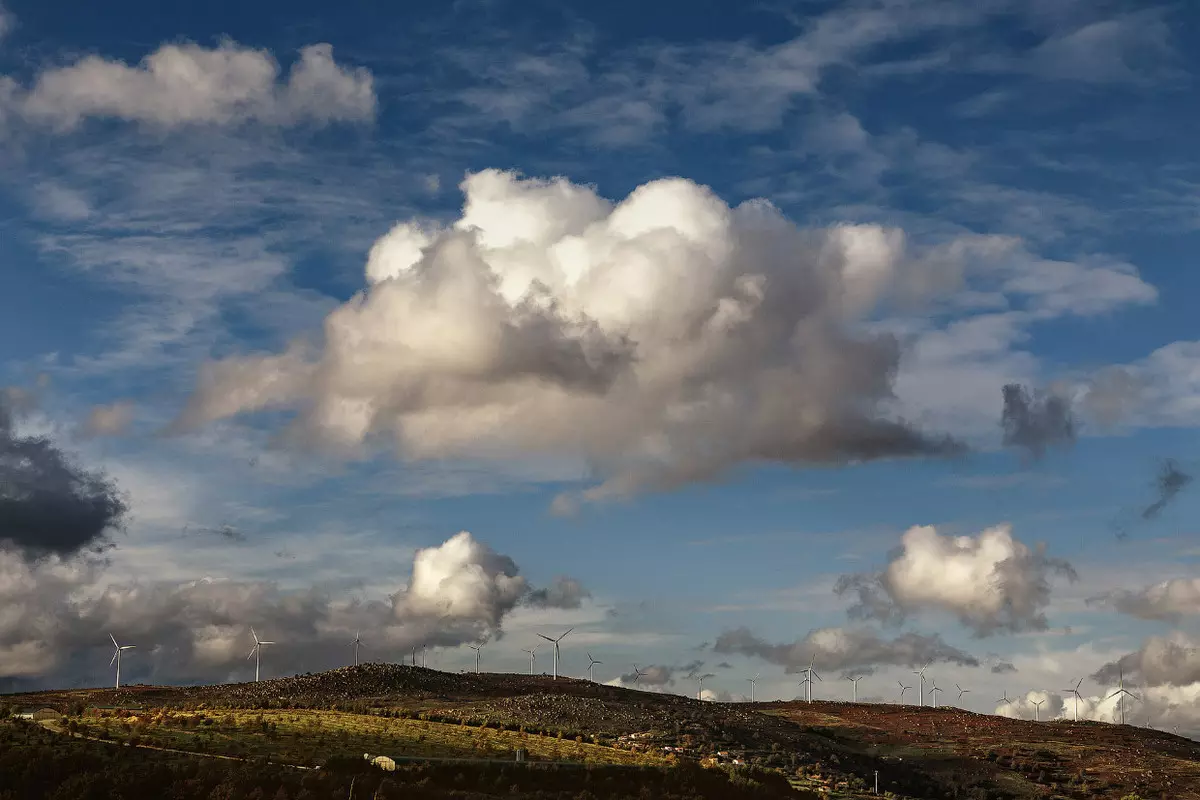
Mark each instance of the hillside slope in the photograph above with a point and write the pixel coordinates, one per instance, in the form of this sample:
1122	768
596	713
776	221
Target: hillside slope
917	752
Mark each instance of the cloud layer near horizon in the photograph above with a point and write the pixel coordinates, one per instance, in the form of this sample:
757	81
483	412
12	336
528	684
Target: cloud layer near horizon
58	611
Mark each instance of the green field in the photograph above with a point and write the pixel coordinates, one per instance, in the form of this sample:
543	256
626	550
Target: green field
309	737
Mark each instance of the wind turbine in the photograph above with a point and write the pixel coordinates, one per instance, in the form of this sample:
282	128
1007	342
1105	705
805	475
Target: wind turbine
256	651
555	643
700	691
855	681
357	643
809	674
961	692
1004	699
934	692
1037	709
637	676
903	689
117	656
754	686
423	655
591	666
1075	692
1120	693
921	674
478	648
531	656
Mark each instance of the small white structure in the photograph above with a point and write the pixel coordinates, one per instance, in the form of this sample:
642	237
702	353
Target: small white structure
385	763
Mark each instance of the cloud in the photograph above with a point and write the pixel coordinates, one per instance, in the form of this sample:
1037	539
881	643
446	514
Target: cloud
48	504
1170	482
7	22
563	593
187	84
109	420
1132	48
1156	391
991	581
1003	668
1173	659
690	336
1168	601
58	610
1035	422
227	532
463	579
843	648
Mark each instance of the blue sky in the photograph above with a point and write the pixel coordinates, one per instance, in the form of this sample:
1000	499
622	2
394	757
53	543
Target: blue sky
1009	191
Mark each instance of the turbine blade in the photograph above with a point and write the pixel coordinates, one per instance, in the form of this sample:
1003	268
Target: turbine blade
565	634
114	640
128	646
544	636
113	661
266	643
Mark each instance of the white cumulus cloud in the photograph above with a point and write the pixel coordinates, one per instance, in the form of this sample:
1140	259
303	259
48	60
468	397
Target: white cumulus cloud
665	338
991	581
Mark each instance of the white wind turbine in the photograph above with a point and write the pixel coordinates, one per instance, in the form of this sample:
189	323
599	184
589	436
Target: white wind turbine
903	689
1120	694
116	659
478	648
357	644
637	676
961	692
809	674
1037	709
754	686
256	651
423	655
532	656
555	643
934	692
1004	699
701	679
855	681
591	667
921	674
1075	692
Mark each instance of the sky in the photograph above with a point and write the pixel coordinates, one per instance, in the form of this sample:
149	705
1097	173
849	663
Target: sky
733	339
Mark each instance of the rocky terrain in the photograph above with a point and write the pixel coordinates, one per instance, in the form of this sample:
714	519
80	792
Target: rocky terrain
916	752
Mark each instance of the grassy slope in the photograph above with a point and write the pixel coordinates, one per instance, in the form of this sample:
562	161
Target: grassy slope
923	751
308	736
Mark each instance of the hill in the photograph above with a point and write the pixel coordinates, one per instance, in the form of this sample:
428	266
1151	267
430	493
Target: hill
401	711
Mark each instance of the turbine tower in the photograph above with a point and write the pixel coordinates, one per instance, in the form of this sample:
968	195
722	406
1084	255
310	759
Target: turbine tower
809	674
903	689
478	648
637	676
934	692
591	666
357	644
1120	694
256	652
961	692
855	681
531	656
754	686
1037	709
423	655
1075	692
116	659
921	674
555	643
